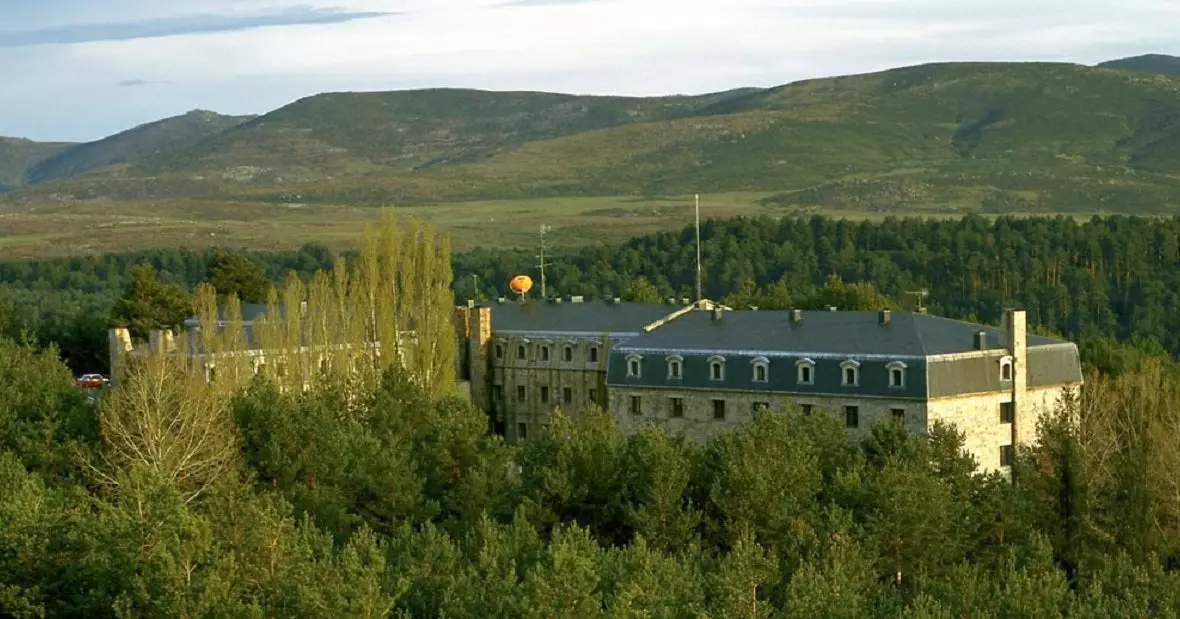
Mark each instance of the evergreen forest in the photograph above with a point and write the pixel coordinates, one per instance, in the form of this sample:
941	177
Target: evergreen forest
389	497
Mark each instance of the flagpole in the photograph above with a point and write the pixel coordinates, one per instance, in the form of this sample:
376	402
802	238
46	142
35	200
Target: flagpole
698	226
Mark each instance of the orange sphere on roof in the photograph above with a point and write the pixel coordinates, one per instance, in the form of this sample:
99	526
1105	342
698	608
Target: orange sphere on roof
521	284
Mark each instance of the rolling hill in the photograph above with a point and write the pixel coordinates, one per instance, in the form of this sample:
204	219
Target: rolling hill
147	140
18	155
1151	63
998	137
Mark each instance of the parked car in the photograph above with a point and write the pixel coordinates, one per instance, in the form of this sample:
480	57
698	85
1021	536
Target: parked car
91	381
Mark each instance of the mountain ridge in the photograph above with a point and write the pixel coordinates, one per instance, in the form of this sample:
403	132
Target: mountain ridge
971	136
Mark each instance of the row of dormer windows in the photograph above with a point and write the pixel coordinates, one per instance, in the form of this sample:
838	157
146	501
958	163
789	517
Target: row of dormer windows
804	370
543	352
760	370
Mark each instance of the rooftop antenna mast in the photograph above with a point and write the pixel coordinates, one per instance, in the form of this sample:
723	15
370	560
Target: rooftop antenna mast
920	295
542	264
698	227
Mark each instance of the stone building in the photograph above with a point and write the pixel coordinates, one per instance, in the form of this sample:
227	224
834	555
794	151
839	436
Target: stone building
524	360
697	368
706	371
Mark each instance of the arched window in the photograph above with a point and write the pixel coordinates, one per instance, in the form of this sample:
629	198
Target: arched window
896	371
761	369
1006	369
634	365
716	368
806	370
499	351
520	353
850	373
675	366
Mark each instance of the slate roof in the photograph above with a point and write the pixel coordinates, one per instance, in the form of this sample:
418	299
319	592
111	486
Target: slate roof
586	317
852	334
250	313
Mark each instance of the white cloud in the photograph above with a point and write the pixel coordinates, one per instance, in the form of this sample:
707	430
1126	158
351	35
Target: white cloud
635	47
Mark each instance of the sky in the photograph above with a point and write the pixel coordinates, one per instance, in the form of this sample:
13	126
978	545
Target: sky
79	70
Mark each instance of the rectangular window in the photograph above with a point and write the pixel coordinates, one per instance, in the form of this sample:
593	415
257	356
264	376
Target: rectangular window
895	377
593	354
633	367
1007	455
636	405
522	430
852	416
520	395
520	352
898	414
850	377
567	395
568	353
499	351
805	374
673	369
1007	412
719	409
593	393
760	373
757	407
544	353
544	395
498	392
677	407
806	408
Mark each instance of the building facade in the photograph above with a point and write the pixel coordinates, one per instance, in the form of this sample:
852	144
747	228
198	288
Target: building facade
699	368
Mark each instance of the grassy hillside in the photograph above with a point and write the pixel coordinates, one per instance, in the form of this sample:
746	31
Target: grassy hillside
148	140
17	155
993	137
1152	63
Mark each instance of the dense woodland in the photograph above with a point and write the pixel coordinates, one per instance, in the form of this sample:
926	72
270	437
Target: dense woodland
171	497
1107	278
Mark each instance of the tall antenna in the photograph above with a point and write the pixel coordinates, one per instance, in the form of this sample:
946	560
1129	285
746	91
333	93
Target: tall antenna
698	226
542	264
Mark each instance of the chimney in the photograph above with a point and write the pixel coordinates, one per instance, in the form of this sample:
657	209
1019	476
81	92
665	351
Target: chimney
717	314
981	340
885	317
797	316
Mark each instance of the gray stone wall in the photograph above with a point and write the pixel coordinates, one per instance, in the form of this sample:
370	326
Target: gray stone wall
699	423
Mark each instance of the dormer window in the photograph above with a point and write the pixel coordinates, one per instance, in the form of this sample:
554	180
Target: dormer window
1006	369
633	365
761	369
675	366
896	371
716	368
806	370
850	373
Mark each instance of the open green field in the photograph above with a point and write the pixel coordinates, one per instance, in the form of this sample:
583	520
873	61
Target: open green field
101	226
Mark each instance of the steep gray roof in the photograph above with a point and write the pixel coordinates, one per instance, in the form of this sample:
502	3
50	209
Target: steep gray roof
587	317
834	333
250	312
